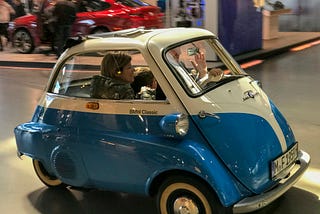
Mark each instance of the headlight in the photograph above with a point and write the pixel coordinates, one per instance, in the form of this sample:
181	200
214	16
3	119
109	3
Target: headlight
182	125
175	124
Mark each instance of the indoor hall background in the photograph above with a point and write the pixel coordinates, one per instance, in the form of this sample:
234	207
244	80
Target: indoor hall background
304	17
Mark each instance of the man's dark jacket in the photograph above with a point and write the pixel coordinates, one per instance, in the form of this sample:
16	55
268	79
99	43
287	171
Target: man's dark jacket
65	11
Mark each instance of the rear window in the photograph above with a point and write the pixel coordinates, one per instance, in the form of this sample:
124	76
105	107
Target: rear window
95	5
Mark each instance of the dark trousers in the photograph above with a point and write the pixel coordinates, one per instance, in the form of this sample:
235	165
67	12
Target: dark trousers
62	33
3	32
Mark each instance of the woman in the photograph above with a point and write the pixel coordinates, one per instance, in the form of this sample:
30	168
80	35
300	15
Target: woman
117	74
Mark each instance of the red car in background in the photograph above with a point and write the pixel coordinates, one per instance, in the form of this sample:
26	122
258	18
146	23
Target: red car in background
99	16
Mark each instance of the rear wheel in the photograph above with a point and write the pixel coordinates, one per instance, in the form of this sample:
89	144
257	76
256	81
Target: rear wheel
179	195
22	41
45	177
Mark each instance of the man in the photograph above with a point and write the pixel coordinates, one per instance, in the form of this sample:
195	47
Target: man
5	11
65	13
39	7
48	25
200	73
199	63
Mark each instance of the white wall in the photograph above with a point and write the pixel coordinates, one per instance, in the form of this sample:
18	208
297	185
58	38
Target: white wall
211	16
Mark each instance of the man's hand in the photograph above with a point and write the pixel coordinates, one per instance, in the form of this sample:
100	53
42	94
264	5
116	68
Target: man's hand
215	72
200	64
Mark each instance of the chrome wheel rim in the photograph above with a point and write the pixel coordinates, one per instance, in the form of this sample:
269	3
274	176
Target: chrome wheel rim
22	42
184	205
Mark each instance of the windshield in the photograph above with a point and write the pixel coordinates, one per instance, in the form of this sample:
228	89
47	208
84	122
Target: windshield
202	65
132	3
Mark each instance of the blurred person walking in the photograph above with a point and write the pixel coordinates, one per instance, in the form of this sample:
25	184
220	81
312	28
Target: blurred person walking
39	7
5	11
19	8
49	22
65	14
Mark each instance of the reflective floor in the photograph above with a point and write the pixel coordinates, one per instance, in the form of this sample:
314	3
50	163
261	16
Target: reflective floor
290	79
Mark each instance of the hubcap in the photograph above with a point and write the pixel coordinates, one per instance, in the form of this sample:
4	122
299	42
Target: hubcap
185	205
22	42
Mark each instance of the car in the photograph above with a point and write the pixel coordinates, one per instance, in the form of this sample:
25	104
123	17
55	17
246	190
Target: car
219	145
98	16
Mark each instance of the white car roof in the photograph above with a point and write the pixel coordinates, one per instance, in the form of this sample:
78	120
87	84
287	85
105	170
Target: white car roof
140	38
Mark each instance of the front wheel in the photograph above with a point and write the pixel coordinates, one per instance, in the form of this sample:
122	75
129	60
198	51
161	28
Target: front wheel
180	195
45	177
22	41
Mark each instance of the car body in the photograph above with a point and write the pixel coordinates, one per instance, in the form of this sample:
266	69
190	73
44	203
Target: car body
27	32
219	144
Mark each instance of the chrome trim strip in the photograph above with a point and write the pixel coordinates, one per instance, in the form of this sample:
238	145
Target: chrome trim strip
259	201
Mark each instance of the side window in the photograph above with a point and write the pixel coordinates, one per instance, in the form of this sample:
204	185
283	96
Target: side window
107	75
125	75
75	75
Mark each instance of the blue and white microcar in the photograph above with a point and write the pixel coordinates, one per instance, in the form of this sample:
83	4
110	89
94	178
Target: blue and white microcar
218	145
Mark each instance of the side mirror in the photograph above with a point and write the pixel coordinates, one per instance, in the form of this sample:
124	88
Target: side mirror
175	125
258	83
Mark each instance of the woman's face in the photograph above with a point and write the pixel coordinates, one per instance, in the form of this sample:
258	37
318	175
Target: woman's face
127	73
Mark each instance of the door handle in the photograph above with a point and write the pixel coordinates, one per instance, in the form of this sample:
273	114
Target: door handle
203	114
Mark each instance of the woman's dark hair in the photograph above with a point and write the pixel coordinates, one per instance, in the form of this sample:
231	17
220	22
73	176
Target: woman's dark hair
112	63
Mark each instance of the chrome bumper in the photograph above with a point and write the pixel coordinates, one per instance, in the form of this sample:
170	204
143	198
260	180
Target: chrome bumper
259	201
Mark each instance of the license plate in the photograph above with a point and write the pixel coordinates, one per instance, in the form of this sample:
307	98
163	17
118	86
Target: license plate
284	161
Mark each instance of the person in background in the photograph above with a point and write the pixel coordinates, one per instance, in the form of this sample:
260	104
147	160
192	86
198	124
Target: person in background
65	14
81	5
30	6
49	22
38	9
5	11
116	76
19	8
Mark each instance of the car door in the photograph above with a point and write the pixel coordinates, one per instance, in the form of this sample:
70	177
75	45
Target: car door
118	141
